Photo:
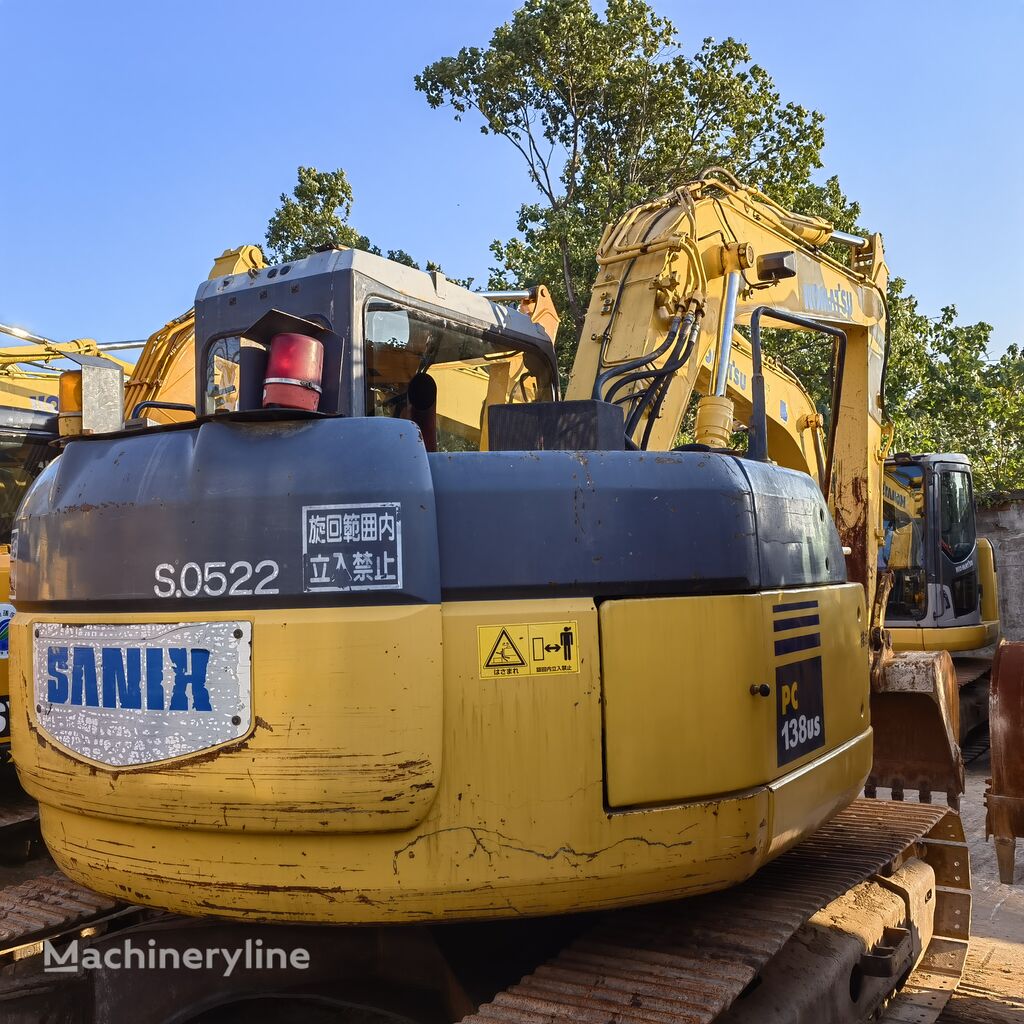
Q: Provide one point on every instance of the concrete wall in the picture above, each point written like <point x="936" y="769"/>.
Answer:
<point x="1003" y="525"/>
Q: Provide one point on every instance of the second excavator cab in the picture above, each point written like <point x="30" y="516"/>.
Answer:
<point x="943" y="594"/>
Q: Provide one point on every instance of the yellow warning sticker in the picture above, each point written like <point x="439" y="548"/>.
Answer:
<point x="528" y="648"/>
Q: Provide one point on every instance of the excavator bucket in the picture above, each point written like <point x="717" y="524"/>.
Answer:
<point x="915" y="717"/>
<point x="1004" y="797"/>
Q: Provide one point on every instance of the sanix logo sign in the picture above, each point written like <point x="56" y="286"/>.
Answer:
<point x="112" y="677"/>
<point x="127" y="955"/>
<point x="135" y="693"/>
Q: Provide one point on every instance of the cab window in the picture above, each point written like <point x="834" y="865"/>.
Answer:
<point x="903" y="550"/>
<point x="22" y="458"/>
<point x="443" y="375"/>
<point x="223" y="360"/>
<point x="956" y="510"/>
<point x="234" y="371"/>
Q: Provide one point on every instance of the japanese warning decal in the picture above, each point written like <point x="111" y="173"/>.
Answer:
<point x="352" y="547"/>
<point x="528" y="649"/>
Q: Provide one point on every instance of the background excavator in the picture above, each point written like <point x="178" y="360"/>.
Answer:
<point x="945" y="592"/>
<point x="162" y="381"/>
<point x="29" y="388"/>
<point x="944" y="595"/>
<point x="367" y="676"/>
<point x="162" y="385"/>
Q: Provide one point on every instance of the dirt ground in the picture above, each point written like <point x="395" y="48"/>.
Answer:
<point x="992" y="991"/>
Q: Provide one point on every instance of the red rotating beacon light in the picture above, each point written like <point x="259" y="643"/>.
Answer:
<point x="294" y="371"/>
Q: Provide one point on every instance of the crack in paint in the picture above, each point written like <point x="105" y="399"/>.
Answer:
<point x="507" y="844"/>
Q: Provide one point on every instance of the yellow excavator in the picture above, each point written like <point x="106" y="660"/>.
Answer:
<point x="29" y="389"/>
<point x="945" y="593"/>
<point x="576" y="725"/>
<point x="28" y="416"/>
<point x="161" y="385"/>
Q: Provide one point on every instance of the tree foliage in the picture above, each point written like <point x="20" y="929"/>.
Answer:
<point x="607" y="112"/>
<point x="315" y="217"/>
<point x="944" y="393"/>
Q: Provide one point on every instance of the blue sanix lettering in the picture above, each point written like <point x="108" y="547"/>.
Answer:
<point x="129" y="677"/>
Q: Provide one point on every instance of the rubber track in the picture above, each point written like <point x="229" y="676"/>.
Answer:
<point x="686" y="962"/>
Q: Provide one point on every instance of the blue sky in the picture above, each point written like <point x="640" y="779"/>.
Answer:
<point x="140" y="140"/>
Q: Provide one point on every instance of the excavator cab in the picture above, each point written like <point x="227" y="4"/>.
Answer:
<point x="401" y="344"/>
<point x="943" y="594"/>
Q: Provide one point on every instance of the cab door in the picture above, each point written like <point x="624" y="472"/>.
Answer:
<point x="958" y="600"/>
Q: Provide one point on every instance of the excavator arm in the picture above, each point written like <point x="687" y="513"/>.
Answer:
<point x="679" y="276"/>
<point x="794" y="425"/>
<point x="679" y="279"/>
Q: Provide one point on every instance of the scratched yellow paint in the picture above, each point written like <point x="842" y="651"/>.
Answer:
<point x="386" y="781"/>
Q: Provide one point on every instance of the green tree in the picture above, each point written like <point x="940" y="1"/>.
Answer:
<point x="1003" y="461"/>
<point x="314" y="217"/>
<point x="946" y="394"/>
<point x="943" y="392"/>
<point x="401" y="256"/>
<point x="607" y="112"/>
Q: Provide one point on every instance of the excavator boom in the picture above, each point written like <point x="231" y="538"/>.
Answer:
<point x="680" y="279"/>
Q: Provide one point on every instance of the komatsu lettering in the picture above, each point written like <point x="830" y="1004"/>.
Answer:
<point x="129" y="677"/>
<point x="733" y="374"/>
<point x="819" y="299"/>
<point x="892" y="495"/>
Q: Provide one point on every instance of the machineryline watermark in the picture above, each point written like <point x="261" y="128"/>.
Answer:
<point x="252" y="955"/>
